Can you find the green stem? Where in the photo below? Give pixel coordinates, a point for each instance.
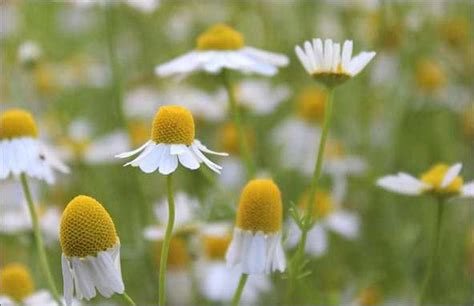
(234, 108)
(39, 240)
(128, 299)
(435, 248)
(166, 241)
(240, 289)
(317, 171)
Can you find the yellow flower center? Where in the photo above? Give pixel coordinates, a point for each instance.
(370, 296)
(323, 204)
(311, 104)
(229, 139)
(178, 255)
(16, 282)
(435, 176)
(455, 31)
(139, 133)
(173, 124)
(215, 247)
(220, 37)
(429, 75)
(17, 123)
(260, 207)
(86, 228)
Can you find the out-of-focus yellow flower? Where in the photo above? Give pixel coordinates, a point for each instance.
(429, 75)
(323, 204)
(370, 296)
(16, 281)
(178, 254)
(229, 139)
(311, 104)
(455, 31)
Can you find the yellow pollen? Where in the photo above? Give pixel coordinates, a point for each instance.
(229, 139)
(429, 75)
(16, 282)
(178, 254)
(370, 296)
(260, 207)
(173, 125)
(435, 176)
(139, 133)
(215, 247)
(220, 37)
(323, 204)
(86, 228)
(17, 123)
(311, 104)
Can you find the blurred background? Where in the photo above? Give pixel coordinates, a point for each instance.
(85, 69)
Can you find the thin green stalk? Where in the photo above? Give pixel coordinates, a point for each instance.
(317, 171)
(39, 241)
(127, 298)
(166, 242)
(435, 248)
(240, 289)
(234, 108)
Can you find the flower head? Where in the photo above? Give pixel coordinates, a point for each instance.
(172, 140)
(21, 149)
(441, 180)
(16, 281)
(222, 47)
(429, 75)
(311, 104)
(256, 245)
(91, 251)
(328, 64)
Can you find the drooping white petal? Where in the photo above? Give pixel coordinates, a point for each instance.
(168, 162)
(214, 167)
(83, 281)
(204, 149)
(151, 161)
(149, 147)
(344, 223)
(181, 65)
(402, 183)
(451, 174)
(271, 58)
(279, 259)
(68, 285)
(467, 190)
(257, 254)
(105, 265)
(130, 153)
(234, 251)
(188, 159)
(359, 62)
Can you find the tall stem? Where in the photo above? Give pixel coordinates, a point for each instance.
(166, 241)
(317, 172)
(243, 145)
(434, 250)
(240, 289)
(39, 240)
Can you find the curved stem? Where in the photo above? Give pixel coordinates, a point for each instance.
(128, 299)
(243, 145)
(435, 248)
(39, 240)
(240, 289)
(166, 242)
(317, 172)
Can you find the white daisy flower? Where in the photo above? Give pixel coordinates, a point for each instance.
(172, 141)
(186, 208)
(18, 288)
(221, 47)
(329, 64)
(22, 151)
(29, 52)
(261, 96)
(91, 251)
(217, 281)
(441, 180)
(329, 216)
(256, 243)
(145, 6)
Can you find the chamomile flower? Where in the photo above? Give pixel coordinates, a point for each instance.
(172, 140)
(329, 216)
(330, 65)
(217, 281)
(186, 208)
(17, 288)
(21, 150)
(91, 251)
(441, 180)
(256, 243)
(222, 47)
(429, 75)
(260, 96)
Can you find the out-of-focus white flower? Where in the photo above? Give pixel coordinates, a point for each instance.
(145, 6)
(141, 102)
(261, 96)
(233, 173)
(441, 180)
(186, 208)
(329, 216)
(385, 70)
(181, 22)
(29, 52)
(9, 19)
(221, 47)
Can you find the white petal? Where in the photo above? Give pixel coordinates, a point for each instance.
(150, 146)
(244, 255)
(153, 233)
(257, 254)
(168, 163)
(402, 183)
(275, 59)
(303, 59)
(176, 149)
(328, 54)
(214, 167)
(151, 161)
(204, 149)
(188, 159)
(234, 250)
(336, 58)
(451, 175)
(106, 266)
(130, 153)
(279, 259)
(346, 54)
(4, 167)
(344, 223)
(182, 65)
(83, 281)
(467, 190)
(68, 285)
(359, 62)
(311, 56)
(318, 53)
